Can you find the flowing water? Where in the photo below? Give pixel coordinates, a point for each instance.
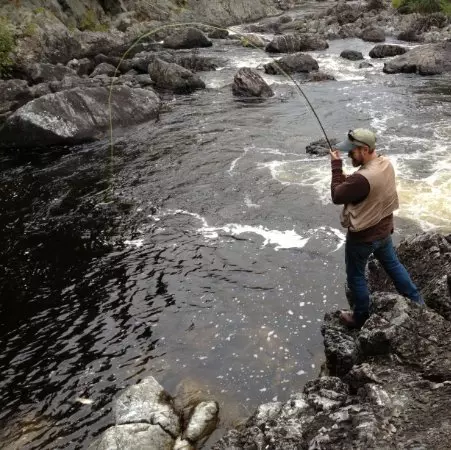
(212, 253)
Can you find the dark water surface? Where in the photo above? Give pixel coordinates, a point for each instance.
(212, 254)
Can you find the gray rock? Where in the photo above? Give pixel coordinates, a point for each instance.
(365, 65)
(13, 94)
(147, 402)
(410, 36)
(44, 73)
(187, 38)
(298, 62)
(253, 40)
(373, 34)
(320, 147)
(38, 90)
(431, 59)
(248, 83)
(182, 444)
(320, 76)
(83, 66)
(75, 116)
(104, 69)
(386, 50)
(352, 55)
(174, 77)
(203, 421)
(218, 33)
(140, 436)
(292, 43)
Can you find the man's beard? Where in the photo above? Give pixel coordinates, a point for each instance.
(356, 162)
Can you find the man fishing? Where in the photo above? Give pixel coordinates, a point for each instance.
(369, 197)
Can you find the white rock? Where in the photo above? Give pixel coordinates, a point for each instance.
(203, 421)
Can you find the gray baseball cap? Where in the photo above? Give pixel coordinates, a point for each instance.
(357, 138)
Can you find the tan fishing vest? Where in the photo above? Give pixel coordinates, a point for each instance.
(380, 202)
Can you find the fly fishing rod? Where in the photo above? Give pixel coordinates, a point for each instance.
(179, 25)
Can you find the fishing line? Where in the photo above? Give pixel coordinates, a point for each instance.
(180, 25)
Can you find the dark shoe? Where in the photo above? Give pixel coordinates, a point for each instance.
(347, 318)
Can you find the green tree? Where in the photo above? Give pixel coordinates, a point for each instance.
(424, 6)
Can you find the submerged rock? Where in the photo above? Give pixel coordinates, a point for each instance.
(248, 83)
(431, 59)
(298, 62)
(75, 116)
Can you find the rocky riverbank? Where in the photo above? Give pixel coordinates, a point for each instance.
(51, 63)
(385, 386)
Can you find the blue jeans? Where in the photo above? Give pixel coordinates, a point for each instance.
(356, 257)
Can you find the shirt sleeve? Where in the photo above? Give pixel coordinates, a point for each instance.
(351, 189)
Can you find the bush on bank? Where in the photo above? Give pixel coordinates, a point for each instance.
(423, 6)
(7, 44)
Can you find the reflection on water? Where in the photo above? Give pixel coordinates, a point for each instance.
(216, 256)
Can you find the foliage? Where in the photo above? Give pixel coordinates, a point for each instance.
(424, 6)
(30, 29)
(89, 22)
(7, 44)
(39, 10)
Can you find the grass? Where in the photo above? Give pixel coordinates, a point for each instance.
(424, 6)
(7, 44)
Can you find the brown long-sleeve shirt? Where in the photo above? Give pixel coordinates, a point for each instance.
(353, 189)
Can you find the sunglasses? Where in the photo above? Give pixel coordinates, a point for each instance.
(353, 139)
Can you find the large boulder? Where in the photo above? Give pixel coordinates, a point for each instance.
(386, 50)
(373, 34)
(320, 147)
(298, 62)
(248, 83)
(77, 115)
(352, 55)
(392, 388)
(187, 38)
(431, 59)
(173, 77)
(104, 69)
(292, 43)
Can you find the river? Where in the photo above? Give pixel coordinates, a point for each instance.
(204, 247)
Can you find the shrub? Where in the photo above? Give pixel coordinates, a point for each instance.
(7, 45)
(424, 6)
(30, 29)
(89, 22)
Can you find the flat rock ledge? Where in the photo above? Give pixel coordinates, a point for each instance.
(387, 386)
(147, 417)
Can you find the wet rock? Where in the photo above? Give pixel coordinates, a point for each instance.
(253, 40)
(134, 436)
(187, 38)
(94, 42)
(326, 393)
(386, 50)
(430, 59)
(74, 82)
(320, 147)
(147, 402)
(248, 83)
(292, 43)
(104, 69)
(352, 55)
(75, 116)
(173, 77)
(298, 62)
(365, 65)
(123, 66)
(44, 73)
(320, 76)
(373, 34)
(203, 421)
(218, 33)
